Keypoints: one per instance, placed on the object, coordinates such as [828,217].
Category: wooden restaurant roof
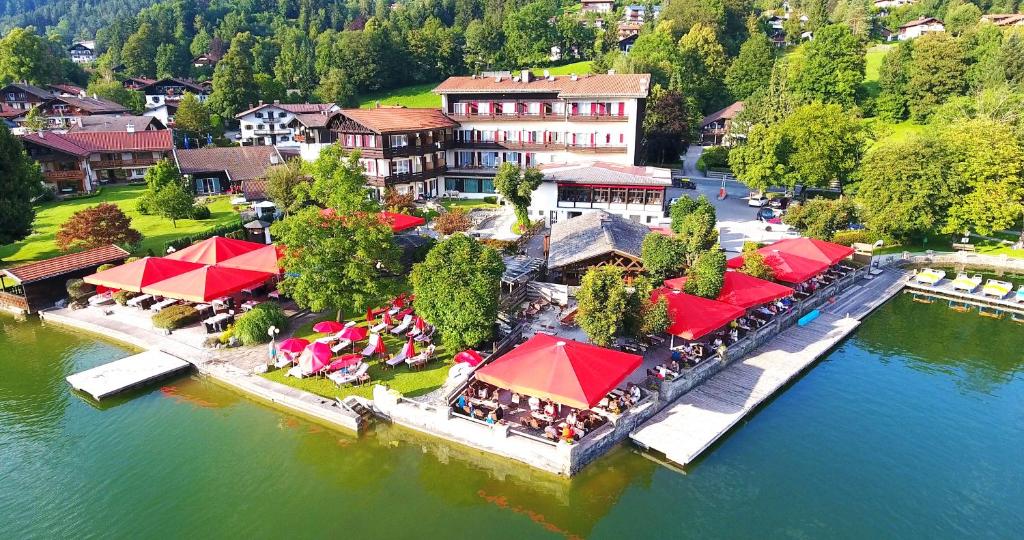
[65,264]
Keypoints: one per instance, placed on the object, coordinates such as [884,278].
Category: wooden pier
[127,373]
[689,426]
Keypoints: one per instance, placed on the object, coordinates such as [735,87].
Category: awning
[207,283]
[264,259]
[135,275]
[562,370]
[214,250]
[694,317]
[401,222]
[787,267]
[742,290]
[812,248]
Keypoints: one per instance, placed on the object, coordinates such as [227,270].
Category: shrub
[200,211]
[103,267]
[177,316]
[223,230]
[225,337]
[863,236]
[491,200]
[501,246]
[713,157]
[251,327]
[398,202]
[78,289]
[455,221]
[122,297]
[131,259]
[144,204]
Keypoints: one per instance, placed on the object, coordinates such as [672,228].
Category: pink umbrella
[293,345]
[470,357]
[388,320]
[410,348]
[420,323]
[328,327]
[345,361]
[353,333]
[315,357]
[381,347]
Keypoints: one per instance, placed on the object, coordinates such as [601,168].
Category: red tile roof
[67,89]
[6,111]
[66,264]
[294,108]
[83,143]
[920,21]
[606,85]
[56,141]
[241,163]
[399,119]
[727,113]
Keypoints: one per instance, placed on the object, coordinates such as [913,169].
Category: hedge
[223,230]
[122,297]
[251,327]
[177,316]
[850,237]
[78,289]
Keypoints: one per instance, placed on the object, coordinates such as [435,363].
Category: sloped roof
[91,105]
[239,162]
[313,120]
[192,85]
[294,108]
[67,88]
[633,85]
[727,113]
[398,119]
[66,264]
[593,234]
[105,122]
[919,21]
[600,172]
[56,141]
[83,143]
[30,89]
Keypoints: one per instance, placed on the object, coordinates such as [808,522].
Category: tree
[271,89]
[453,221]
[233,85]
[173,202]
[698,231]
[685,14]
[904,187]
[754,265]
[833,67]
[97,226]
[528,34]
[457,289]
[24,56]
[654,317]
[663,256]
[702,67]
[706,276]
[517,187]
[574,39]
[767,105]
[192,118]
[20,182]
[962,18]
[35,120]
[654,52]
[816,146]
[114,91]
[893,76]
[669,124]
[139,52]
[282,182]
[336,87]
[338,182]
[295,62]
[938,72]
[601,304]
[1013,56]
[334,264]
[752,69]
[172,60]
[484,41]
[821,218]
[684,206]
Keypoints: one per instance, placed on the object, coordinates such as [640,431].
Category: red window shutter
[622,108]
[593,137]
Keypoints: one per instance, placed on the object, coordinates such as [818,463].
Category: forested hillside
[75,19]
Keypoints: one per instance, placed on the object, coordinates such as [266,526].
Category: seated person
[549,409]
[614,407]
[460,404]
[515,400]
[551,432]
[571,417]
[634,393]
[567,433]
[734,335]
[673,366]
[534,403]
[717,342]
[499,413]
[482,392]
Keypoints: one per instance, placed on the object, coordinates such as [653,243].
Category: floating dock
[689,426]
[132,372]
[963,301]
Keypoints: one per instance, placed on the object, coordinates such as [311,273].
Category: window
[259,115]
[284,138]
[282,126]
[402,166]
[207,185]
[155,99]
[399,141]
[472,185]
[619,196]
[282,114]
[247,126]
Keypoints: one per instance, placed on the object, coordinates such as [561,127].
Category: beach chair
[352,377]
[371,346]
[397,359]
[421,359]
[1020,294]
[284,360]
[929,276]
[405,324]
[997,288]
[341,345]
[296,371]
[379,328]
[966,283]
[101,299]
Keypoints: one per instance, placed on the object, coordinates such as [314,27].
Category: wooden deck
[132,372]
[944,290]
[689,426]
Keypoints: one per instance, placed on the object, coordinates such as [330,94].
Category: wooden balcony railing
[117,163]
[64,175]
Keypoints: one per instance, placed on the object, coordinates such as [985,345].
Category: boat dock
[127,373]
[694,422]
[958,299]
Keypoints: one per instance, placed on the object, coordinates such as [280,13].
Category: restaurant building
[594,239]
[572,190]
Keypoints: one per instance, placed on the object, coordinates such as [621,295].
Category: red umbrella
[353,333]
[470,357]
[345,361]
[315,357]
[369,314]
[401,222]
[410,348]
[293,345]
[214,250]
[328,327]
[388,320]
[264,259]
[420,324]
[381,347]
[694,317]
[134,276]
[741,290]
[399,301]
[207,283]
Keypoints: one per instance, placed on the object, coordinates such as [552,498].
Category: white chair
[406,323]
[340,378]
[396,359]
[340,346]
[372,345]
[379,328]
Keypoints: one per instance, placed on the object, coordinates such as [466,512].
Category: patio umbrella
[398,302]
[345,361]
[388,320]
[381,347]
[328,327]
[264,259]
[353,333]
[315,357]
[410,348]
[293,345]
[369,314]
[420,324]
[207,283]
[214,250]
[134,276]
[469,356]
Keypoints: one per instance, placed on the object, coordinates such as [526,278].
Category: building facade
[716,128]
[535,121]
[920,27]
[572,190]
[230,169]
[270,124]
[22,96]
[83,52]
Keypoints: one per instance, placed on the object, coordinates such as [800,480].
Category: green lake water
[913,427]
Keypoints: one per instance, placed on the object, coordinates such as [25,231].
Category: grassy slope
[156,230]
[421,95]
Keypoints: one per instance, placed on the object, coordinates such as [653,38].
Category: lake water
[913,427]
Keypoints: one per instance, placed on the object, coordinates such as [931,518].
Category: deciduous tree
[821,218]
[938,72]
[233,84]
[517,186]
[670,121]
[20,181]
[338,182]
[602,300]
[663,256]
[173,202]
[282,183]
[707,274]
[193,118]
[457,289]
[97,226]
[833,66]
[752,69]
[702,67]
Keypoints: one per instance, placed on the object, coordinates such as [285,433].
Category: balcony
[476,170]
[508,145]
[404,178]
[541,116]
[120,163]
[597,149]
[54,176]
[598,118]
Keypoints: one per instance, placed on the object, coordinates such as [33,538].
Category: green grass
[467,204]
[579,68]
[156,231]
[408,382]
[873,61]
[884,131]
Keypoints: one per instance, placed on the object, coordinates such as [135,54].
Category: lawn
[885,131]
[467,204]
[408,382]
[156,231]
[872,64]
[579,68]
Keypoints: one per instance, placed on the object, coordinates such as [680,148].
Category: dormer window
[282,115]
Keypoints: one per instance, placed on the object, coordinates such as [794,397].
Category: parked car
[757,199]
[684,183]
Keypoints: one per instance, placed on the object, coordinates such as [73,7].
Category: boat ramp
[127,373]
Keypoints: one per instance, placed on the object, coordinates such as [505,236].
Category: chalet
[400,148]
[594,239]
[627,29]
[919,27]
[573,189]
[162,113]
[65,89]
[1004,19]
[638,13]
[36,286]
[62,111]
[23,96]
[715,128]
[170,90]
[270,124]
[884,5]
[235,169]
[311,133]
[117,123]
[83,52]
[597,6]
[205,60]
[79,161]
[137,83]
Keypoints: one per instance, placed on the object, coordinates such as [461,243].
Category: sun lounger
[341,345]
[351,377]
[101,299]
[420,359]
[406,323]
[379,328]
[966,283]
[283,361]
[372,346]
[997,289]
[397,359]
[929,276]
[136,301]
[296,371]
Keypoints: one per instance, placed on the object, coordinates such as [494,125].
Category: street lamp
[273,331]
